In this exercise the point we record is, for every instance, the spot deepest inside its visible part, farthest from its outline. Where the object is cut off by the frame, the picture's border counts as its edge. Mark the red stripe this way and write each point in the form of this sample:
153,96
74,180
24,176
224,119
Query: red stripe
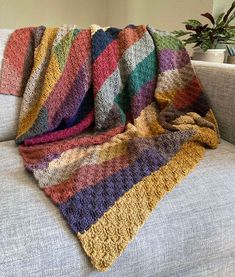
86,176
13,68
37,153
188,95
103,66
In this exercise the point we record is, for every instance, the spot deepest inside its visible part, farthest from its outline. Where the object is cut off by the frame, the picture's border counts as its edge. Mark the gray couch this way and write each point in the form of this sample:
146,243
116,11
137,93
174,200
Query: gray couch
190,233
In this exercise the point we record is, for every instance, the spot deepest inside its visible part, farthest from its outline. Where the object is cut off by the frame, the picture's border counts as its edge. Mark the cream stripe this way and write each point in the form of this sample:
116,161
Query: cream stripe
62,168
174,80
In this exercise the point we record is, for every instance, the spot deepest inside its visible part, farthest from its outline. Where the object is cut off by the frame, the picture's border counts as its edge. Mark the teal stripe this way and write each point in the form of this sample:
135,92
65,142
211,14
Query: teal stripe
144,72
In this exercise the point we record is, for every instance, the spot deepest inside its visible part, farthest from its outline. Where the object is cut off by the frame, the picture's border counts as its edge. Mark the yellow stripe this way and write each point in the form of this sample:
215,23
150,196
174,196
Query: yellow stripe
147,123
109,236
165,98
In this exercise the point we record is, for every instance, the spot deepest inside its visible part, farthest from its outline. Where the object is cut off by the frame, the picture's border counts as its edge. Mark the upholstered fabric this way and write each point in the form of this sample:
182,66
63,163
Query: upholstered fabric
4,35
218,81
9,105
191,233
9,114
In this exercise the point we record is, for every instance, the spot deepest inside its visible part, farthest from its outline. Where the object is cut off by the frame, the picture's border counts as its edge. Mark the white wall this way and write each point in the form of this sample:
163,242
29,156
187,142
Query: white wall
221,5
22,13
162,14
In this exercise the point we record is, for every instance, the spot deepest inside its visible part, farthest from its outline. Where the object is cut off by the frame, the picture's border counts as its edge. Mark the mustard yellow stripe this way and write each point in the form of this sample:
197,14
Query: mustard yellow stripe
107,238
147,123
165,98
206,128
45,44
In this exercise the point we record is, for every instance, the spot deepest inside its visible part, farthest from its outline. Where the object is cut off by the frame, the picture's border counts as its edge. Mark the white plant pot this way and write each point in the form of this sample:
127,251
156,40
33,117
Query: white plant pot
211,55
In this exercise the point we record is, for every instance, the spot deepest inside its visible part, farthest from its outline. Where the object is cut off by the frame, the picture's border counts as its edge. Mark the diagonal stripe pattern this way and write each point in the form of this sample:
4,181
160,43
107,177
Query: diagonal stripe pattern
111,120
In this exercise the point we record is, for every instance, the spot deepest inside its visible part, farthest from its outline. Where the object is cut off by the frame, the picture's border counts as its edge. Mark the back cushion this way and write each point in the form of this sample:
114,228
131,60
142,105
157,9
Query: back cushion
9,104
218,81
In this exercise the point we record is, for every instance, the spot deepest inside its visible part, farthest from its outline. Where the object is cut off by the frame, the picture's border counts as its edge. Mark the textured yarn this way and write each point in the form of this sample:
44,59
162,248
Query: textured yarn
111,120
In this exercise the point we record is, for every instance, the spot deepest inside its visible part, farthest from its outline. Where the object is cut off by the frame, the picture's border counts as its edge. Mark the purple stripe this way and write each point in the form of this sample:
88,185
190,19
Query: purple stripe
172,59
87,206
73,100
143,98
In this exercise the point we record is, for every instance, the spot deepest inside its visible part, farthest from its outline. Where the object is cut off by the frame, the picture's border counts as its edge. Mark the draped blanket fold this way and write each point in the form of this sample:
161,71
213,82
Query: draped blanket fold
111,119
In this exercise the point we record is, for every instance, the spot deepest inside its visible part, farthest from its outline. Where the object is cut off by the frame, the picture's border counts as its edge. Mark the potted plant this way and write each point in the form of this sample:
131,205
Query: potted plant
231,54
207,37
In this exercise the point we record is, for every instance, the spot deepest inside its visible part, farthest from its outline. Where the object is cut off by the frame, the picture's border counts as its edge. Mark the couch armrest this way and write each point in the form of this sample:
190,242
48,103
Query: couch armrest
218,82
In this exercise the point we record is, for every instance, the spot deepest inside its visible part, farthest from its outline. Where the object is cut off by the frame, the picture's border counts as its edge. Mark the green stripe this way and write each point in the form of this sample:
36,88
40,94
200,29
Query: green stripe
167,42
63,47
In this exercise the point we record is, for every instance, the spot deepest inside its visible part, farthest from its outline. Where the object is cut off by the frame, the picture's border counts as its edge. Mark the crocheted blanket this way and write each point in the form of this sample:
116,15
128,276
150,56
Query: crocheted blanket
111,119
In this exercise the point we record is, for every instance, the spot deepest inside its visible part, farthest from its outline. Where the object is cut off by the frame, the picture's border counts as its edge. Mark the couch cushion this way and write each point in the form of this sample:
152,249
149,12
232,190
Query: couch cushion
9,104
190,233
4,35
9,114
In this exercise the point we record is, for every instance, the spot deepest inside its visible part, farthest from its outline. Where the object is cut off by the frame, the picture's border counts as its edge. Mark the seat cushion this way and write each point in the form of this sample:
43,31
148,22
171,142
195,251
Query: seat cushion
190,233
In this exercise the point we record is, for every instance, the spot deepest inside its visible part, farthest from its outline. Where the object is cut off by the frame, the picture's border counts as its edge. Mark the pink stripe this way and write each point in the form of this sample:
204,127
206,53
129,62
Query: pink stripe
62,134
105,64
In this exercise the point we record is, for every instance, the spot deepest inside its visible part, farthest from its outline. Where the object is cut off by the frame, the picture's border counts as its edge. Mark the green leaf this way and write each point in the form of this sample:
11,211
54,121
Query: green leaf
180,33
206,44
190,40
228,12
219,18
231,18
192,22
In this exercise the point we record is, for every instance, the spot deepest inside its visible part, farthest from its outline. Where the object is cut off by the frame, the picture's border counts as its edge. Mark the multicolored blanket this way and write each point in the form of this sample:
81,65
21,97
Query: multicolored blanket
111,120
